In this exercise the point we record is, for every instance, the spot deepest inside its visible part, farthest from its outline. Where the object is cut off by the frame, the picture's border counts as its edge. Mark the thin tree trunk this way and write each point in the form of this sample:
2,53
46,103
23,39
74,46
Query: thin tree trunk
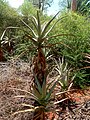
74,5
39,6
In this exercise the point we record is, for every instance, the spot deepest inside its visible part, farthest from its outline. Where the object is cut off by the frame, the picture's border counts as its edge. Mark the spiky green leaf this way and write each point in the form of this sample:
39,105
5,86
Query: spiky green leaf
34,22
33,32
38,84
47,25
50,91
52,27
39,24
36,93
44,88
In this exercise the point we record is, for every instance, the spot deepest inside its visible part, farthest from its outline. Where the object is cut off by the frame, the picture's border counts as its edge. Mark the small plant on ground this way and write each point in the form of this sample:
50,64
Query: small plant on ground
65,81
43,97
6,44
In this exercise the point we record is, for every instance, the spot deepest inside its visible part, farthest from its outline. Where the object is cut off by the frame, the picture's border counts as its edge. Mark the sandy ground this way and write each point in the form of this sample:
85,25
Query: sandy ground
18,75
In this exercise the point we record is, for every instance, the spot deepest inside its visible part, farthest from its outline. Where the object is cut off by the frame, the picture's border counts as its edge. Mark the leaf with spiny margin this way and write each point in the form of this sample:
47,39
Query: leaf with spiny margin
34,22
38,84
27,105
44,88
50,91
36,92
32,39
49,84
31,94
6,30
34,34
47,25
23,111
39,24
52,27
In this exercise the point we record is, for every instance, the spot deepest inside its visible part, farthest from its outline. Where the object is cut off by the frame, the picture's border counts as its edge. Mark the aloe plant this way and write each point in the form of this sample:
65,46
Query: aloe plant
63,74
2,58
4,41
41,94
65,81
39,38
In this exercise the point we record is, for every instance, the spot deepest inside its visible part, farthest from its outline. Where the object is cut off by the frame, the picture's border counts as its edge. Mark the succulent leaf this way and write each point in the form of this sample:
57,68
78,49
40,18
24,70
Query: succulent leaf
50,91
52,27
39,24
38,85
47,25
36,93
33,33
44,88
34,22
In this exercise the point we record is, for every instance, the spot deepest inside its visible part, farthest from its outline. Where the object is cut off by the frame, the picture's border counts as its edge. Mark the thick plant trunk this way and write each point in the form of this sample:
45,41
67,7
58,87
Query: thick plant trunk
39,72
39,114
40,66
74,5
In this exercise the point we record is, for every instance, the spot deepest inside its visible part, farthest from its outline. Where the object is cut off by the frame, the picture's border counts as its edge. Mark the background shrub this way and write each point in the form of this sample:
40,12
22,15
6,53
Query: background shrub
75,45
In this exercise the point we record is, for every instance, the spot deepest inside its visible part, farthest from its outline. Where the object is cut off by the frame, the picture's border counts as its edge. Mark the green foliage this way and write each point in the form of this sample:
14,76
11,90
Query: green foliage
82,78
8,16
27,9
77,44
83,6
